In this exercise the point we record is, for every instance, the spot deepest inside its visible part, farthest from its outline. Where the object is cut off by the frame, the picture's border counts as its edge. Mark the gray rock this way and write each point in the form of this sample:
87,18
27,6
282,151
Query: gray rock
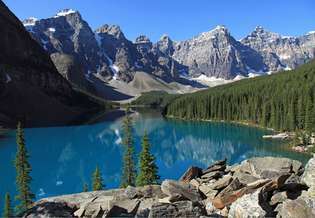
222,183
270,167
178,209
308,176
174,188
208,191
295,209
247,207
245,178
212,175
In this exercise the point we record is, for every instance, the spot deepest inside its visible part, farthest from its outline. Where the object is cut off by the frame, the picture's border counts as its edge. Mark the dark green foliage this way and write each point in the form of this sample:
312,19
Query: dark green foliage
23,169
283,101
129,170
97,180
148,170
85,187
7,211
155,99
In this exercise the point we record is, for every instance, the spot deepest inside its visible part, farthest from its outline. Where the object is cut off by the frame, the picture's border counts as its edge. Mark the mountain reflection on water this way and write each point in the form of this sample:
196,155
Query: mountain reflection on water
63,158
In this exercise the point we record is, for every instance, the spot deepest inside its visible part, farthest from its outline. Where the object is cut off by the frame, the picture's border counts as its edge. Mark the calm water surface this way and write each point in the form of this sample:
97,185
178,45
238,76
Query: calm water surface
63,158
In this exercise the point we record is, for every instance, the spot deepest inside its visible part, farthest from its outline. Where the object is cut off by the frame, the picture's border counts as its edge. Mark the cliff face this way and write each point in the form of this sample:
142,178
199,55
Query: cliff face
31,89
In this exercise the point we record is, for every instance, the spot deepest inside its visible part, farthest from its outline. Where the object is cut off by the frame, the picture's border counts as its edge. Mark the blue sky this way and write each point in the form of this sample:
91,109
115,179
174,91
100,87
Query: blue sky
181,19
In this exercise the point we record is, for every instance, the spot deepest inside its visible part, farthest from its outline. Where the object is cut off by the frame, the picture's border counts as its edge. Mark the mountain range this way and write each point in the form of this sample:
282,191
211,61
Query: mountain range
105,62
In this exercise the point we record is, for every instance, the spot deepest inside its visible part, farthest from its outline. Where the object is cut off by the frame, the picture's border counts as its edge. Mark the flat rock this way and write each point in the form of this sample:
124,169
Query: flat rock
191,173
175,188
212,175
178,209
222,183
208,191
247,206
214,168
245,178
298,208
263,166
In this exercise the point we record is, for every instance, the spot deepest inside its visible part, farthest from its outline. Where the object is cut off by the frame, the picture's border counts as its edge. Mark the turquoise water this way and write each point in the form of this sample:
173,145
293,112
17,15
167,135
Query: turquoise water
63,158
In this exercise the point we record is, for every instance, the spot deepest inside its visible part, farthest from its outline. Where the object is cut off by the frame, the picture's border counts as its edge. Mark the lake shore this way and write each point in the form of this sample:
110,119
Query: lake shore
265,186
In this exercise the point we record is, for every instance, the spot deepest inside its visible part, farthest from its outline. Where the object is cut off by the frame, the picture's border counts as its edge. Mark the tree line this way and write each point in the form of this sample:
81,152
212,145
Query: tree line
284,101
148,170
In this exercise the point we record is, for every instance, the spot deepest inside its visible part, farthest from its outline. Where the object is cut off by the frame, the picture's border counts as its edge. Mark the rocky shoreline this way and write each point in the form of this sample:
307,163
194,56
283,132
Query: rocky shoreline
257,187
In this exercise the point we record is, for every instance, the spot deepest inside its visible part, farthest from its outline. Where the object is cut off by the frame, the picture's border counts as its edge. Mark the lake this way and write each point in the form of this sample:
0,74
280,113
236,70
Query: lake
63,158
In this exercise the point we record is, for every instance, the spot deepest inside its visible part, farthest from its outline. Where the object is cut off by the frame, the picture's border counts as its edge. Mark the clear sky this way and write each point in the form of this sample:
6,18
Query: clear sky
181,19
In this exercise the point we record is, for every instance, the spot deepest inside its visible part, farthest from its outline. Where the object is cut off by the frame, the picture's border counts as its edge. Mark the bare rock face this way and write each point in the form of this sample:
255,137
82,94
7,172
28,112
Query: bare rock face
281,52
68,33
216,53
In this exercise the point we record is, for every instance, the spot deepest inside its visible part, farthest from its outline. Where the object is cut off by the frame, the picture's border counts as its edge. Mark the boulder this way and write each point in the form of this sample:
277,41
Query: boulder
212,175
270,167
247,206
298,208
226,199
195,183
174,188
124,208
208,191
245,178
50,209
178,209
222,183
214,168
191,173
308,176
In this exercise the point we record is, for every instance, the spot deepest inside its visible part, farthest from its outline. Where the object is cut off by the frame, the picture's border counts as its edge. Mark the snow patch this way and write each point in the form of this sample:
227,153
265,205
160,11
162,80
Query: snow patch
239,77
30,21
115,70
65,12
8,78
284,56
50,29
311,32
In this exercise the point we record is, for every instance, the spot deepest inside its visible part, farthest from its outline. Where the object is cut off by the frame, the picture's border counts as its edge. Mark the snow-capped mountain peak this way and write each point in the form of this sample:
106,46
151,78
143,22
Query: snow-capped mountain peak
30,21
65,12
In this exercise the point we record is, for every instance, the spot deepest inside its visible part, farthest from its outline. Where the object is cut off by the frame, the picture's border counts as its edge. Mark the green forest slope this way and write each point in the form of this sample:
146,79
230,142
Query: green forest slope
282,101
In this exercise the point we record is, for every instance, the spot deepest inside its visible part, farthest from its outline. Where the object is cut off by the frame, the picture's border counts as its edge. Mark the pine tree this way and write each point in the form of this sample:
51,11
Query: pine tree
129,171
7,211
148,174
97,180
23,170
85,187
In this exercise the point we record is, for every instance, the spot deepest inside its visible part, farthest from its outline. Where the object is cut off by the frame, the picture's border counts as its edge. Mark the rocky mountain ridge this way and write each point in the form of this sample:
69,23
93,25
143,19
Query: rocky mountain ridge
257,187
105,55
215,53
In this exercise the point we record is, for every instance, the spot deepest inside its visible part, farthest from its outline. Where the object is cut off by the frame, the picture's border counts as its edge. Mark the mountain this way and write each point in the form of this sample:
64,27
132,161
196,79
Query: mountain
281,52
282,101
105,58
217,54
31,88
